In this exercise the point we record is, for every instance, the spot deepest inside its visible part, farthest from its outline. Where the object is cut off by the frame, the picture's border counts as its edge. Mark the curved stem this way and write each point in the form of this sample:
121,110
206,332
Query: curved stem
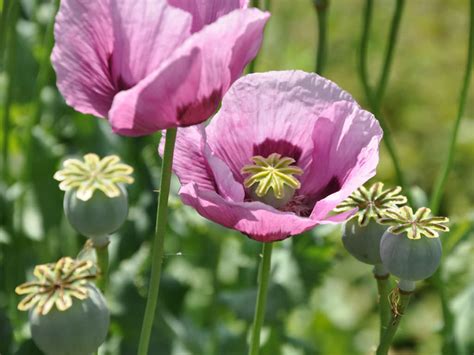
443,175
375,98
382,277
364,44
321,12
394,29
398,310
259,315
158,244
449,345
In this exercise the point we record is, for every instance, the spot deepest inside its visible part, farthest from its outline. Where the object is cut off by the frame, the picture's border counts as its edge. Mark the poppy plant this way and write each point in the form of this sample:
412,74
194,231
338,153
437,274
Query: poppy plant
283,151
148,65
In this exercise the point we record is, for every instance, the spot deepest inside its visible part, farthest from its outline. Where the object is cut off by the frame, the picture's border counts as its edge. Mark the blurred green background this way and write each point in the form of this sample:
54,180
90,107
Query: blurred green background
321,301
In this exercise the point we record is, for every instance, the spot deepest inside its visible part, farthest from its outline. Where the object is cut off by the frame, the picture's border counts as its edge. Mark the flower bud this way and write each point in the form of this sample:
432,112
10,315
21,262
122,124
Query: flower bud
410,248
363,242
410,259
98,216
79,330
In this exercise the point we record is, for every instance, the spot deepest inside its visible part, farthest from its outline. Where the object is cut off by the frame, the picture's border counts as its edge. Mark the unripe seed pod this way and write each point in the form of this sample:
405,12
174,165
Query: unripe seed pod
271,200
363,242
410,259
98,216
79,330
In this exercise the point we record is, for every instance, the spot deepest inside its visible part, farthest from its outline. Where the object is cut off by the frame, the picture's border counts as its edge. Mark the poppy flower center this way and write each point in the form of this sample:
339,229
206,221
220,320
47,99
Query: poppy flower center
271,179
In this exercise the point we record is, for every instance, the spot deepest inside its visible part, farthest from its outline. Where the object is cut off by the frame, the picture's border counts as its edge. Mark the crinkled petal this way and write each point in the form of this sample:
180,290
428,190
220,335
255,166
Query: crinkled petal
257,220
205,12
146,33
195,163
346,146
271,112
84,42
156,102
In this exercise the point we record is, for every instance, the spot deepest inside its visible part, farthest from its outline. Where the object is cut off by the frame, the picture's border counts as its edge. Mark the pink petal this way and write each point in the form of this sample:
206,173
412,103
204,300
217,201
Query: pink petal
346,141
274,112
84,43
205,12
146,32
156,102
195,163
148,107
257,220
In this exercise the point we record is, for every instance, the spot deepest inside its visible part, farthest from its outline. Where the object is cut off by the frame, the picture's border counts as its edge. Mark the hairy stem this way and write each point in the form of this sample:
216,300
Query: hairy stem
259,315
158,244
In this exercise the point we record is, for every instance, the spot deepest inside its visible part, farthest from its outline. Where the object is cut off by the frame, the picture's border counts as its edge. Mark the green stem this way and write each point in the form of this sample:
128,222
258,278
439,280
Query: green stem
382,277
364,43
44,71
158,244
449,345
102,253
253,63
11,40
375,98
444,173
3,29
393,36
321,12
399,310
259,315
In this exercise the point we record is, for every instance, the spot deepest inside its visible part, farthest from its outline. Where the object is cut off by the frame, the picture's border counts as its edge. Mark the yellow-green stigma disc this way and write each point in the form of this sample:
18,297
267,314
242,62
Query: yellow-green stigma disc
271,179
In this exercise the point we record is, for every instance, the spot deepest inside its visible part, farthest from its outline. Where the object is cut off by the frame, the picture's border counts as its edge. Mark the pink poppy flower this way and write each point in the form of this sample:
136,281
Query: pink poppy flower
283,151
148,65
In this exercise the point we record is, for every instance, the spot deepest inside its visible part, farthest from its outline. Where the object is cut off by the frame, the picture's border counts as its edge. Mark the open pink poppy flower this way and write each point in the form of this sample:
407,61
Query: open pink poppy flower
283,151
149,65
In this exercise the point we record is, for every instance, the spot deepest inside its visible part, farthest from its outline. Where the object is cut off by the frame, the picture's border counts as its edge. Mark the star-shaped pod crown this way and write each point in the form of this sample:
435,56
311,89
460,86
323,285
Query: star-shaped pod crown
372,203
56,284
415,225
94,174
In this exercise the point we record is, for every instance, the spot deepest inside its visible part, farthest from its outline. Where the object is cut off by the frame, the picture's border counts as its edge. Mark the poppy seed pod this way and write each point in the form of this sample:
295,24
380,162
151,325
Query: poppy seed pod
95,202
410,259
362,233
410,248
79,330
67,313
98,216
363,242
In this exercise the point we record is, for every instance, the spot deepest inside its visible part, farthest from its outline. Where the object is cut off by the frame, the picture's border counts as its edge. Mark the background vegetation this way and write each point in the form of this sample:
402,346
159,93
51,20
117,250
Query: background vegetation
321,301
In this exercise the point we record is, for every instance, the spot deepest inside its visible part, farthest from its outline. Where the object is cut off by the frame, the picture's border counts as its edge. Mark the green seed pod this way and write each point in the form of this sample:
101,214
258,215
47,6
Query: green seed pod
410,259
363,242
362,233
79,330
98,216
68,314
410,248
96,201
